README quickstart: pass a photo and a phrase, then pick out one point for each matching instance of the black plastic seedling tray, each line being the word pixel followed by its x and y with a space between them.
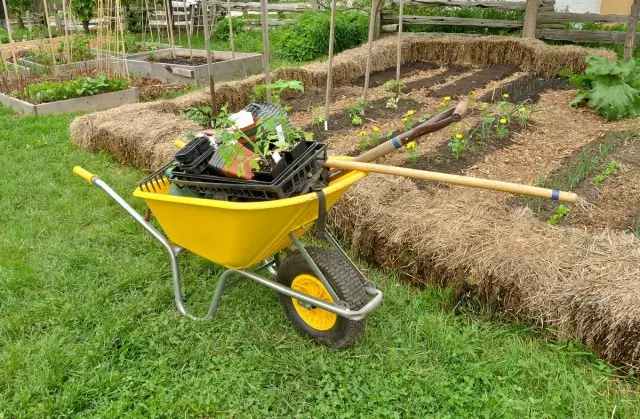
pixel 293 180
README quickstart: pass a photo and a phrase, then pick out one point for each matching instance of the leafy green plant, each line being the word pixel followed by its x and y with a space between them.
pixel 84 10
pixel 502 130
pixel 46 92
pixel 458 145
pixel 364 140
pixel 221 31
pixel 610 87
pixel 277 88
pixel 558 215
pixel 80 51
pixel 412 151
pixel 394 89
pixel 407 120
pixel 356 110
pixel 608 171
pixel 307 37
pixel 200 114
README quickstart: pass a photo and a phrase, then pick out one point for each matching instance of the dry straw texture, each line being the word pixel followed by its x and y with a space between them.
pixel 585 285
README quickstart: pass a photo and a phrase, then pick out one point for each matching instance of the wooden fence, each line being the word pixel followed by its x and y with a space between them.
pixel 545 22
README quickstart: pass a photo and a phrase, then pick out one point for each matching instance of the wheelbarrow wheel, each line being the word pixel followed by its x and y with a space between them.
pixel 321 325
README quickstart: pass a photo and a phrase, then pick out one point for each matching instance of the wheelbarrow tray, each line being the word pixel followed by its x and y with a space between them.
pixel 238 235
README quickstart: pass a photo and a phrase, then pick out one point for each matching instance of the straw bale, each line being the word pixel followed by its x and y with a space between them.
pixel 585 285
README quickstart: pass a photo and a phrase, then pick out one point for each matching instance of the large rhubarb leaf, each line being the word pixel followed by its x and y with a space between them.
pixel 613 98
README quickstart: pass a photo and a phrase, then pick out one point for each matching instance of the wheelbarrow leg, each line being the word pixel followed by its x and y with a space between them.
pixel 173 251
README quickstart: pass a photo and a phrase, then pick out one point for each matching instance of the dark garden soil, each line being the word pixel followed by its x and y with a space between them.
pixel 379 78
pixel 377 112
pixel 184 60
pixel 476 80
pixel 527 88
pixel 442 160
pixel 429 82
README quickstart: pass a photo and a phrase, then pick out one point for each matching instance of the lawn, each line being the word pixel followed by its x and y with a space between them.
pixel 88 327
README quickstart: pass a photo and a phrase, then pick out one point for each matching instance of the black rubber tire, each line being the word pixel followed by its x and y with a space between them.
pixel 344 281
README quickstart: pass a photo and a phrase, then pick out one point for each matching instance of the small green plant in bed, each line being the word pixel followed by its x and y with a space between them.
pixel 47 92
pixel 200 114
pixel 394 89
pixel 80 51
pixel 355 111
pixel 276 88
pixel 608 171
pixel 610 87
pixel 558 215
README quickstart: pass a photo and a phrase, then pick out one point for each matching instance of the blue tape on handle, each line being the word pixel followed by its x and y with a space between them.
pixel 555 195
pixel 395 142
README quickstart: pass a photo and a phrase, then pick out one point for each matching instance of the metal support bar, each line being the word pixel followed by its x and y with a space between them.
pixel 316 270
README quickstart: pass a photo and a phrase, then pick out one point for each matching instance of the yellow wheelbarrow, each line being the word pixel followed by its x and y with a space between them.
pixel 323 292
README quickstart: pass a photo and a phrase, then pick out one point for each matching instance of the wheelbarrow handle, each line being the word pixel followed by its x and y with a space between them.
pixel 84 174
pixel 441 120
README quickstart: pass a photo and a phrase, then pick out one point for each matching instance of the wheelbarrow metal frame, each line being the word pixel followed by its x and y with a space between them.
pixel 339 307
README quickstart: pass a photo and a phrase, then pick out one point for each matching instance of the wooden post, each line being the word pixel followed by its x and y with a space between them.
pixel 66 31
pixel 46 22
pixel 327 99
pixel 9 33
pixel 189 26
pixel 169 13
pixel 399 53
pixel 231 41
pixel 264 17
pixel 631 30
pixel 207 46
pixel 372 18
pixel 378 22
pixel 530 19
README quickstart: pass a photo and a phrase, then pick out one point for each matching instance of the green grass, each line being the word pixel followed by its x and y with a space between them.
pixel 88 327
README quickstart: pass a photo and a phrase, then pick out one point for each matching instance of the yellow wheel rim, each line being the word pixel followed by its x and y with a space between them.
pixel 317 318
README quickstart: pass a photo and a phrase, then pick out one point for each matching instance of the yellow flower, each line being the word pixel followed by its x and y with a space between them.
pixel 485 106
pixel 404 119
pixel 447 98
pixel 363 133
pixel 375 129
pixel 522 110
pixel 411 145
pixel 503 121
pixel 459 136
pixel 506 96
pixel 410 112
pixel 472 93
pixel 442 105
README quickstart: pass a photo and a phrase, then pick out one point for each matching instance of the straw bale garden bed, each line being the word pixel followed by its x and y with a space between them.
pixel 581 275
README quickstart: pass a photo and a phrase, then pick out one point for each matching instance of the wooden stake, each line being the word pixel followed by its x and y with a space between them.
pixel 530 19
pixel 2 60
pixel 146 7
pixel 189 31
pixel 169 13
pixel 631 30
pixel 231 41
pixel 399 53
pixel 207 46
pixel 9 33
pixel 372 22
pixel 327 97
pixel 66 31
pixel 264 17
pixel 46 21
pixel 473 182
pixel 120 30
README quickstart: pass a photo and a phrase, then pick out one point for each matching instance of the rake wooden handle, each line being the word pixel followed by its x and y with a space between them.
pixel 436 123
pixel 473 182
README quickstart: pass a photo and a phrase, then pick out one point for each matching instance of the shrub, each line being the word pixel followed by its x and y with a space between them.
pixel 249 41
pixel 221 31
pixel 308 37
